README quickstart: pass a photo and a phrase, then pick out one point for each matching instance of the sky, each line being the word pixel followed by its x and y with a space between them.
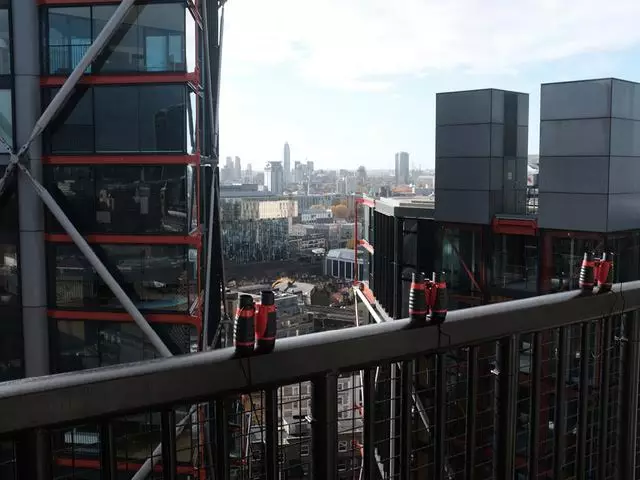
pixel 351 82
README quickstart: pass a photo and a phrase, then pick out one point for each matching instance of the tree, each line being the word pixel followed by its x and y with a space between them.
pixel 340 211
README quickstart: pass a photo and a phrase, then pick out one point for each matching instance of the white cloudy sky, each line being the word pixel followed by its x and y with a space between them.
pixel 349 82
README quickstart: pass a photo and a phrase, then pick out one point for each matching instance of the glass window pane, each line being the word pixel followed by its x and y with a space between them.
pixel 162 118
pixel 116 119
pixel 6 117
pixel 123 52
pixel 9 212
pixel 161 30
pixel 73 189
pixel 156 277
pixel 72 129
pixel 69 37
pixel 191 31
pixel 91 344
pixel 191 123
pixel 9 282
pixel 5 41
pixel 134 199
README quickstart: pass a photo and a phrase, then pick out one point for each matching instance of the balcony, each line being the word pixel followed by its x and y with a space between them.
pixel 543 387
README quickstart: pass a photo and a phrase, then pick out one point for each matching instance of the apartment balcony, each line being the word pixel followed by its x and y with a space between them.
pixel 543 387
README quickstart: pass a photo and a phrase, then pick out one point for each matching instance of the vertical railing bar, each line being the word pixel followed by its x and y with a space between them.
pixel 441 417
pixel 324 434
pixel 508 368
pixel 168 432
pixel 629 416
pixel 534 432
pixel 393 378
pixel 560 418
pixel 406 420
pixel 108 463
pixel 583 401
pixel 472 408
pixel 222 446
pixel 271 413
pixel 604 397
pixel 369 423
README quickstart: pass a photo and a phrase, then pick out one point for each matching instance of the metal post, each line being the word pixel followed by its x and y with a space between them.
pixel 108 464
pixel 440 423
pixel 222 441
pixel 168 431
pixel 406 423
pixel 472 409
pixel 273 438
pixel 604 396
pixel 393 378
pixel 324 431
pixel 583 402
pixel 536 377
pixel 508 368
pixel 560 420
pixel 629 412
pixel 369 423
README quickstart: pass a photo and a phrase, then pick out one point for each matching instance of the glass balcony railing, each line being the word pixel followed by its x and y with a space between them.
pixel 545 387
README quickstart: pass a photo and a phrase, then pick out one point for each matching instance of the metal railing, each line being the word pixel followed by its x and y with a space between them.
pixel 545 387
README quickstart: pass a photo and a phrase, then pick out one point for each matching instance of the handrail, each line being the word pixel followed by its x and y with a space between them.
pixel 72 397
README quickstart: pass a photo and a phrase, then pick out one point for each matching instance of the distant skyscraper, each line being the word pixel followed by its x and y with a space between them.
pixel 274 177
pixel 310 167
pixel 287 163
pixel 237 167
pixel 249 174
pixel 402 168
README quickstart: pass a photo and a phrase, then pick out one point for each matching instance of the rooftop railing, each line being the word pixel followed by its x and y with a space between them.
pixel 545 387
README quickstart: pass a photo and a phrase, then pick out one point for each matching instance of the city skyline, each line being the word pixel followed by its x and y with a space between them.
pixel 368 90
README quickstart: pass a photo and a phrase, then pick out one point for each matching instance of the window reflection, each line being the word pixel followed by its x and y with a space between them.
pixel 5 39
pixel 515 262
pixel 123 118
pixel 6 117
pixel 156 277
pixel 125 198
pixel 9 214
pixel 92 344
pixel 69 38
pixel 151 38
pixel 9 284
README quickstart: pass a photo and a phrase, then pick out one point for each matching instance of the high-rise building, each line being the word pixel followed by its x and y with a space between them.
pixel 309 167
pixel 274 177
pixel 237 169
pixel 402 168
pixel 287 164
pixel 120 159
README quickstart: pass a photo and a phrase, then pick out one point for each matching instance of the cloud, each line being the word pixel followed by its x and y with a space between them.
pixel 367 44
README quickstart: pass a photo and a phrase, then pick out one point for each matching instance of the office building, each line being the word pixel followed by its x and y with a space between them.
pixel 286 163
pixel 274 178
pixel 402 168
pixel 121 160
pixel 237 169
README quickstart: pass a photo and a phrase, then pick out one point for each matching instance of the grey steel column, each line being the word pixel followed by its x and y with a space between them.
pixel 26 67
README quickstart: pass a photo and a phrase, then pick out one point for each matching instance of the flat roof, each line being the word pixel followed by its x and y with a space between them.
pixel 407 207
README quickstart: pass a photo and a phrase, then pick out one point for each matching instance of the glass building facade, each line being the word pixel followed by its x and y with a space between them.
pixel 122 160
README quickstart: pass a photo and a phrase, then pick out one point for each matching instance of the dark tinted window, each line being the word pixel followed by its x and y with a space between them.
pixel 5 39
pixel 156 278
pixel 72 130
pixel 68 36
pixel 124 118
pixel 91 344
pixel 162 119
pixel 116 117
pixel 124 199
pixel 122 53
pixel 150 39
pixel 9 214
